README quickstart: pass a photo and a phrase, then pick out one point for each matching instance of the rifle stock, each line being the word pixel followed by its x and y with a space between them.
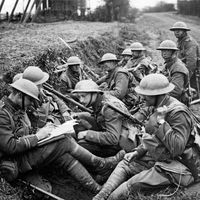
pixel 35 188
pixel 66 98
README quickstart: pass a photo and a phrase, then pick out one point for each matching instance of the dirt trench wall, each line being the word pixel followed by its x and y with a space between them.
pixel 89 50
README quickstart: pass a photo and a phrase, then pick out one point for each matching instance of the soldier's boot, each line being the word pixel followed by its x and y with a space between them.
pixel 78 171
pixel 122 192
pixel 118 176
pixel 101 165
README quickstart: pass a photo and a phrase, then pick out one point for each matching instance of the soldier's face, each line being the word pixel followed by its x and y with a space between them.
pixel 149 100
pixel 179 33
pixel 109 65
pixel 167 54
pixel 28 101
pixel 74 68
pixel 136 54
pixel 87 99
pixel 127 57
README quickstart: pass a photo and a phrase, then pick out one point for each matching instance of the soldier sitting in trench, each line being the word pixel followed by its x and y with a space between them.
pixel 118 81
pixel 126 56
pixel 19 148
pixel 71 75
pixel 109 131
pixel 167 154
pixel 138 64
pixel 51 108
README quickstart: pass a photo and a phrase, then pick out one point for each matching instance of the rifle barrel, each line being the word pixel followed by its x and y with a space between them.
pixel 127 115
pixel 66 98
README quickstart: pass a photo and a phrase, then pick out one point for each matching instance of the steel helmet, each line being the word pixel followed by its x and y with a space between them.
pixel 27 87
pixel 179 26
pixel 17 77
pixel 74 60
pixel 108 57
pixel 137 46
pixel 168 45
pixel 154 84
pixel 86 86
pixel 127 52
pixel 35 74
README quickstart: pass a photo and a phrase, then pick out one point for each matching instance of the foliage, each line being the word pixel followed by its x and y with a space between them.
pixel 113 10
pixel 191 7
pixel 132 14
pixel 161 7
pixel 100 14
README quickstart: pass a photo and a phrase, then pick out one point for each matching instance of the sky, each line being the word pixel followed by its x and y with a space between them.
pixel 146 3
pixel 8 5
pixel 135 3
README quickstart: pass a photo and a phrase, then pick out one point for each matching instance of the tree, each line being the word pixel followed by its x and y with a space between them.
pixel 116 9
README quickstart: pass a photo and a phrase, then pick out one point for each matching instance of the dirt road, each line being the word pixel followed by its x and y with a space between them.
pixel 157 25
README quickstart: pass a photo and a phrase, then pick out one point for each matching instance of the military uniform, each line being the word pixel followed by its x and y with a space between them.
pixel 121 84
pixel 189 54
pixel 143 67
pixel 19 145
pixel 166 153
pixel 177 74
pixel 51 108
pixel 110 131
pixel 69 79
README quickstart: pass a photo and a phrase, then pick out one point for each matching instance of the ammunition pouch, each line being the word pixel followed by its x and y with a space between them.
pixel 129 138
pixel 191 159
pixel 186 97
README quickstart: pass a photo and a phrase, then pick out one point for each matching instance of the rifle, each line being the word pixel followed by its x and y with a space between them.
pixel 195 102
pixel 35 188
pixel 198 78
pixel 134 68
pixel 66 98
pixel 96 76
pixel 127 115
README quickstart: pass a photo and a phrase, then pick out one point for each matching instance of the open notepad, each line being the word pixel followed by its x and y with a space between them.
pixel 60 130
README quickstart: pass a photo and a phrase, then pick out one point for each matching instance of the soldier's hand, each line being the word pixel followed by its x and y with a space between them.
pixel 44 132
pixel 130 156
pixel 103 86
pixel 81 135
pixel 161 113
pixel 66 116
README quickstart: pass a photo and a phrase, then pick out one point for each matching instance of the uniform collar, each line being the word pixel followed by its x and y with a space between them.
pixel 11 105
pixel 185 38
pixel 98 104
pixel 165 101
pixel 170 62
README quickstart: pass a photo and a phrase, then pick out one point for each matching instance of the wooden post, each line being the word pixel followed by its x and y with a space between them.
pixel 29 14
pixel 24 14
pixel 37 11
pixel 13 10
pixel 2 4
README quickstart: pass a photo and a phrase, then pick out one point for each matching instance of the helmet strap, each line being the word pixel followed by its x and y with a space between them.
pixel 157 98
pixel 23 101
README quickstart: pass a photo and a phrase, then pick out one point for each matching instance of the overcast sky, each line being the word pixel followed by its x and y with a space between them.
pixel 8 5
pixel 135 3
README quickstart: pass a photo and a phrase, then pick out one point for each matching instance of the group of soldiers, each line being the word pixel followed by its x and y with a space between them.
pixel 139 135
